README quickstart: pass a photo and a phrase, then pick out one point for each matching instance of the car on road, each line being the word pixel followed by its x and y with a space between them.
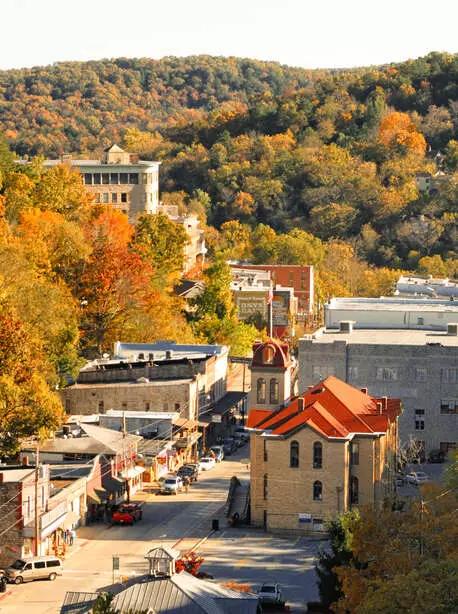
pixel 229 446
pixel 242 433
pixel 189 471
pixel 218 451
pixel 417 477
pixel 35 568
pixel 127 513
pixel 172 485
pixel 270 594
pixel 207 462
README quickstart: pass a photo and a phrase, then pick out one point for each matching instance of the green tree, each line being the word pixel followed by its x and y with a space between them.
pixel 161 242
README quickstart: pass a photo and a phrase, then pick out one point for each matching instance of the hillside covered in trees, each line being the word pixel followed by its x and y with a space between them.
pixel 332 154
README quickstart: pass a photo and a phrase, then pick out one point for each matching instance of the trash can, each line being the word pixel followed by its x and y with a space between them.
pixel 215 524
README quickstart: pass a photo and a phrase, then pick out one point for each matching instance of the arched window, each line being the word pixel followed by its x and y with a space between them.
pixel 268 355
pixel 265 485
pixel 317 491
pixel 354 490
pixel 261 390
pixel 294 454
pixel 317 455
pixel 274 391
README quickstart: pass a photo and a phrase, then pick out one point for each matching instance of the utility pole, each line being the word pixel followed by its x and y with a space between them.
pixel 422 509
pixel 37 476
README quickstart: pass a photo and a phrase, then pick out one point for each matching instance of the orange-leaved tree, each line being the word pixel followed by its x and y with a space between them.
pixel 189 562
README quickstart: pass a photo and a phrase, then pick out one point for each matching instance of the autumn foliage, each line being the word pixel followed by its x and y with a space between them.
pixel 189 562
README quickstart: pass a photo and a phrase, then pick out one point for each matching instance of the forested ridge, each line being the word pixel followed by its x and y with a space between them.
pixel 331 153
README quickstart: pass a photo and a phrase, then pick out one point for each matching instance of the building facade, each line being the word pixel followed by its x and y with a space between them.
pixel 298 277
pixel 315 456
pixel 419 367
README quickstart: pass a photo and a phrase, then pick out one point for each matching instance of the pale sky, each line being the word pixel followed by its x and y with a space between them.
pixel 308 33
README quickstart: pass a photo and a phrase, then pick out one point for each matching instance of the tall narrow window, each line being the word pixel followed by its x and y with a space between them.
pixel 274 391
pixel 317 491
pixel 317 455
pixel 261 390
pixel 354 490
pixel 265 450
pixel 294 454
pixel 266 485
pixel 354 453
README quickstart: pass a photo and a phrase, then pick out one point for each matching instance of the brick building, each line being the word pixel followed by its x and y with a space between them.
pixel 315 456
pixel 298 277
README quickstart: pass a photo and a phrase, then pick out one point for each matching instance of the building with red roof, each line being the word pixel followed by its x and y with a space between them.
pixel 331 449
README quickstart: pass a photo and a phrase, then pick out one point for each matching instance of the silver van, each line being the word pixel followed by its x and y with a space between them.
pixel 36 568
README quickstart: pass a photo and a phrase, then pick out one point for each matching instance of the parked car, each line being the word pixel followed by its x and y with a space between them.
pixel 196 466
pixel 128 513
pixel 229 446
pixel 436 456
pixel 242 432
pixel 36 568
pixel 417 477
pixel 207 463
pixel 270 594
pixel 172 485
pixel 189 471
pixel 218 452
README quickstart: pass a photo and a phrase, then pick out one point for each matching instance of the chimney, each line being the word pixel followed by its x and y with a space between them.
pixel 379 407
pixel 300 404
pixel 452 329
pixel 364 390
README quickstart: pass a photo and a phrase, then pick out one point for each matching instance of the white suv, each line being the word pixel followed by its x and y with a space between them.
pixel 172 485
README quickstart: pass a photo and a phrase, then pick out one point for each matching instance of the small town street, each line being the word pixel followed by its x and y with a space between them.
pixel 245 555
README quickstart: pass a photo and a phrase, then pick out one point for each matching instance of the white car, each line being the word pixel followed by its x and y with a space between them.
pixel 417 477
pixel 172 485
pixel 207 463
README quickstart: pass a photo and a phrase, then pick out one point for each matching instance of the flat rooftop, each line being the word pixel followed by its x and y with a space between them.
pixel 385 337
pixel 15 475
pixel 156 382
pixel 394 304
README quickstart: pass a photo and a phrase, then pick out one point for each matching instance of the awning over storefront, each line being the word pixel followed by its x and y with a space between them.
pixel 99 495
pixel 133 472
pixel 70 520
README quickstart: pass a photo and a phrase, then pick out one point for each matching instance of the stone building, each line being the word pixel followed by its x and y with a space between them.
pixel 163 376
pixel 420 367
pixel 315 456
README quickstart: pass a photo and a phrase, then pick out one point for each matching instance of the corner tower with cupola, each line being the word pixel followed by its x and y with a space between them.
pixel 270 375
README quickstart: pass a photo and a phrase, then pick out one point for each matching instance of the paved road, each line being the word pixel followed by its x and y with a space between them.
pixel 167 519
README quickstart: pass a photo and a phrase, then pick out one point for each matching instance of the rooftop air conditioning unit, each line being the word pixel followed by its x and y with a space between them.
pixel 452 329
pixel 346 326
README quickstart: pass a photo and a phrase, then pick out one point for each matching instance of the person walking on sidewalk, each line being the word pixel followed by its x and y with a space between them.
pixel 72 536
pixel 186 482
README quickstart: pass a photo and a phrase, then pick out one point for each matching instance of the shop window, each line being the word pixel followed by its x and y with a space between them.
pixel 317 491
pixel 317 455
pixel 294 454
pixel 261 390
pixel 274 391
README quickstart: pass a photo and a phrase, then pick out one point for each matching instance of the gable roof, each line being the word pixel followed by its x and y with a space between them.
pixel 179 594
pixel 332 408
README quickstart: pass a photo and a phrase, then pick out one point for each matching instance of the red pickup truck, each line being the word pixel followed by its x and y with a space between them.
pixel 127 513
